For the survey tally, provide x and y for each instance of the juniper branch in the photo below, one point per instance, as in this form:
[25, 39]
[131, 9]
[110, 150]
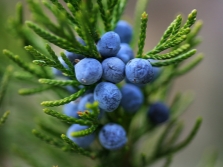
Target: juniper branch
[5, 82]
[118, 11]
[85, 131]
[4, 117]
[103, 15]
[59, 82]
[76, 148]
[41, 17]
[61, 8]
[23, 76]
[174, 60]
[141, 6]
[65, 118]
[47, 139]
[23, 65]
[169, 55]
[186, 141]
[30, 91]
[190, 65]
[64, 100]
[61, 42]
[142, 36]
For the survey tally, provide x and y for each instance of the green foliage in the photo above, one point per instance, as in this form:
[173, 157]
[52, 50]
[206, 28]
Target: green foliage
[4, 117]
[89, 20]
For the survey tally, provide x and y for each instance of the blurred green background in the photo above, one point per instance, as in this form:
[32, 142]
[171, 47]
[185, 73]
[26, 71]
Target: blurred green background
[205, 80]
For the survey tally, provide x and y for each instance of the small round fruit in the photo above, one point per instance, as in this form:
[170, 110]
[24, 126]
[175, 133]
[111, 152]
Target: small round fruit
[113, 70]
[132, 98]
[109, 44]
[112, 136]
[125, 53]
[158, 113]
[88, 98]
[108, 96]
[124, 30]
[156, 70]
[139, 71]
[88, 71]
[84, 141]
[71, 109]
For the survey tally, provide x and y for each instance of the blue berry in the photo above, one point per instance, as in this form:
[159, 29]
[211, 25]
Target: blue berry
[124, 30]
[71, 109]
[125, 53]
[72, 56]
[139, 71]
[112, 136]
[88, 71]
[71, 89]
[109, 44]
[156, 70]
[88, 98]
[113, 70]
[132, 98]
[158, 113]
[108, 95]
[84, 141]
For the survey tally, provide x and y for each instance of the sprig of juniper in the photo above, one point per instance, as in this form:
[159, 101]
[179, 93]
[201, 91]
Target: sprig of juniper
[76, 22]
[4, 117]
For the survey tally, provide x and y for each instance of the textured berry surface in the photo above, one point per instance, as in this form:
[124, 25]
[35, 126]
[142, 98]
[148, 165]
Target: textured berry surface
[158, 113]
[132, 98]
[113, 70]
[125, 53]
[112, 136]
[84, 141]
[88, 71]
[139, 71]
[71, 109]
[109, 44]
[108, 95]
[124, 30]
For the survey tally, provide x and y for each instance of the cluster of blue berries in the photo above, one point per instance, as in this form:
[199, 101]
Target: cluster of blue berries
[118, 64]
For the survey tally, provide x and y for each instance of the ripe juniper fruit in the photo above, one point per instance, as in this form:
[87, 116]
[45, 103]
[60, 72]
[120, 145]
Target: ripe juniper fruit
[108, 96]
[112, 136]
[156, 70]
[72, 56]
[84, 141]
[139, 71]
[113, 70]
[132, 98]
[109, 44]
[158, 113]
[88, 98]
[125, 53]
[124, 30]
[71, 109]
[88, 71]
[71, 89]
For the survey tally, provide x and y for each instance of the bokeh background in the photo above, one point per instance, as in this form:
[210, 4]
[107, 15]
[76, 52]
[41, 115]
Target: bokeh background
[206, 80]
